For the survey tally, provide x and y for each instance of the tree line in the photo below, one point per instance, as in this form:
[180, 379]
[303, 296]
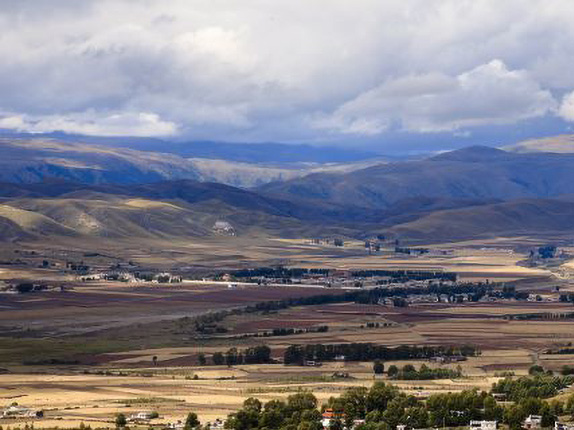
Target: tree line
[298, 354]
[232, 357]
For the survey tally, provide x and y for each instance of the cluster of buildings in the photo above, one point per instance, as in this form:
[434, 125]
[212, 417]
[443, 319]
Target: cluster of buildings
[532, 422]
[218, 424]
[145, 416]
[15, 411]
[129, 277]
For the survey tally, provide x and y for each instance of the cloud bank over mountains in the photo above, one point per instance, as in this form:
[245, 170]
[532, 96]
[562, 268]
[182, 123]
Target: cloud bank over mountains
[297, 70]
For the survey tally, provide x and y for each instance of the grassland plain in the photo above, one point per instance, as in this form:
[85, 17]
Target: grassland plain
[90, 370]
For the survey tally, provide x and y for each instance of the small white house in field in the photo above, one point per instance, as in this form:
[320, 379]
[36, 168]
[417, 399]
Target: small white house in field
[532, 422]
[143, 416]
[483, 425]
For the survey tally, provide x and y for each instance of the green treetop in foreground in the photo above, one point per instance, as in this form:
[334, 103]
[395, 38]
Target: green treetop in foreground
[384, 406]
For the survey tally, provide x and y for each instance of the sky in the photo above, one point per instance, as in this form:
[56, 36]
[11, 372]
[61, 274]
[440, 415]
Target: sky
[375, 73]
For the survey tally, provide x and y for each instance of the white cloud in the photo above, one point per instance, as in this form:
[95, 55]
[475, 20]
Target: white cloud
[489, 94]
[284, 70]
[92, 123]
[567, 107]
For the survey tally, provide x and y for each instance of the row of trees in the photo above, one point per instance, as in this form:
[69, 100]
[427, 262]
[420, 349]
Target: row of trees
[297, 273]
[409, 373]
[255, 355]
[298, 354]
[208, 324]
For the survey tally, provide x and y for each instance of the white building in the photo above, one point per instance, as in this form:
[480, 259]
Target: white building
[532, 422]
[483, 425]
[179, 425]
[16, 411]
[142, 416]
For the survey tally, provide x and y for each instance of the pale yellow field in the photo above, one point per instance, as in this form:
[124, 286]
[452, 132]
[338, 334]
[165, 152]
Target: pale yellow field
[95, 399]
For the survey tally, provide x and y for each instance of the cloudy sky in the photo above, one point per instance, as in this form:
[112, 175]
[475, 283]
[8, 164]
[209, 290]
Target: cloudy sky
[356, 72]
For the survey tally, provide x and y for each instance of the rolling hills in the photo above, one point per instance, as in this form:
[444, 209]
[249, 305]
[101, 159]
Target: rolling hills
[172, 209]
[528, 217]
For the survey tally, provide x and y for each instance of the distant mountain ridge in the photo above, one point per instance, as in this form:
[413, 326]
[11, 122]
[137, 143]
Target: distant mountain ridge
[256, 153]
[36, 160]
[470, 173]
[66, 189]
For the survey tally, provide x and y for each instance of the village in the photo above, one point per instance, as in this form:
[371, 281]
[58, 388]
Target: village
[330, 420]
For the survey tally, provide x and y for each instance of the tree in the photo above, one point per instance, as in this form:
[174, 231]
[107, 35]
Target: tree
[218, 359]
[393, 371]
[154, 360]
[231, 357]
[243, 420]
[378, 367]
[379, 396]
[252, 404]
[395, 411]
[570, 405]
[415, 417]
[201, 359]
[535, 369]
[354, 403]
[274, 413]
[121, 421]
[302, 401]
[191, 422]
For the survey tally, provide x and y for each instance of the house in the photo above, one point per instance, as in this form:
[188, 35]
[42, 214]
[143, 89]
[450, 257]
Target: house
[500, 397]
[483, 425]
[218, 424]
[143, 416]
[179, 425]
[312, 363]
[532, 422]
[329, 416]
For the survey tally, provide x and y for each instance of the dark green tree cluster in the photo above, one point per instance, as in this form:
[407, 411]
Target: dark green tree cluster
[299, 412]
[410, 373]
[540, 386]
[383, 407]
[255, 355]
[298, 354]
[515, 414]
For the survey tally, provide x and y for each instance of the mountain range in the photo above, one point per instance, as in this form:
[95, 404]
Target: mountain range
[57, 188]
